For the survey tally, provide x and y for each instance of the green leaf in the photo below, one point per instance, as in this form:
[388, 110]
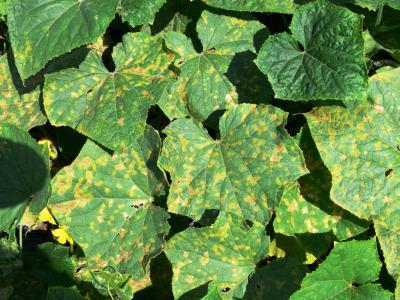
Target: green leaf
[22, 111]
[109, 282]
[137, 12]
[24, 173]
[347, 273]
[202, 86]
[365, 141]
[50, 263]
[38, 32]
[372, 4]
[63, 293]
[331, 66]
[277, 6]
[305, 248]
[3, 9]
[296, 214]
[226, 174]
[223, 255]
[214, 294]
[105, 203]
[176, 15]
[109, 107]
[9, 257]
[277, 280]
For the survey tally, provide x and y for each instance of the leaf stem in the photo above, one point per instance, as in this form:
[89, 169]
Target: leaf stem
[379, 15]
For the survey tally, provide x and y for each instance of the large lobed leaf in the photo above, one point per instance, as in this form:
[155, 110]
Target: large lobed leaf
[41, 30]
[226, 174]
[347, 273]
[202, 87]
[105, 203]
[109, 107]
[223, 255]
[329, 64]
[360, 146]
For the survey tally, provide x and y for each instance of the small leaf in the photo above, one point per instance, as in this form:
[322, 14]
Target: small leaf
[347, 273]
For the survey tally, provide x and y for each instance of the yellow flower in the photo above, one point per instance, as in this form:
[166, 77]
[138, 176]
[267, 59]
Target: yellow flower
[46, 216]
[53, 153]
[62, 236]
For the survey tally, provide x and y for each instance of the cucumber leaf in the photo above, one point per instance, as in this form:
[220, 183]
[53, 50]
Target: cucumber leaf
[223, 255]
[277, 6]
[38, 28]
[360, 146]
[22, 111]
[322, 59]
[137, 12]
[106, 204]
[24, 173]
[109, 107]
[226, 174]
[347, 273]
[202, 86]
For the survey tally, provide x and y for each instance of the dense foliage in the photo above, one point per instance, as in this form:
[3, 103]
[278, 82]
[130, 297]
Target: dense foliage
[215, 149]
